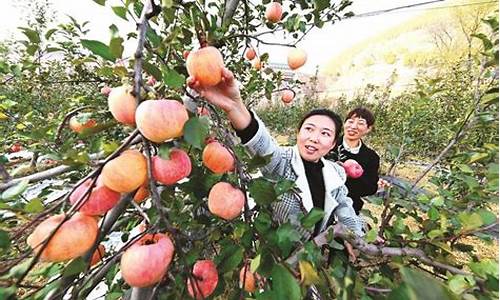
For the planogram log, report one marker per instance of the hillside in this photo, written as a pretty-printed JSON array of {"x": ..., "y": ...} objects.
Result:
[{"x": 420, "y": 45}]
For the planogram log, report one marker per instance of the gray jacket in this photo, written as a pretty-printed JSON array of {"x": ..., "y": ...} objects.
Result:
[{"x": 287, "y": 163}]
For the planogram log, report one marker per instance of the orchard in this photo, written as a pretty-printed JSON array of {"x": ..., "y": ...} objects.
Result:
[{"x": 150, "y": 195}]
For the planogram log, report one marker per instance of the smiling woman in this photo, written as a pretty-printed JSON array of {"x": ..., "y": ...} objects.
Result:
[
  {"x": 320, "y": 182},
  {"x": 358, "y": 123}
]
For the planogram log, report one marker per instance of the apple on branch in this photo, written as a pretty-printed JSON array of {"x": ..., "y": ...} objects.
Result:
[
  {"x": 205, "y": 279},
  {"x": 225, "y": 201}
]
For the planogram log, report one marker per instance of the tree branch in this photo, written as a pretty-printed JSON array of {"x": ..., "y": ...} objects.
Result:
[
  {"x": 340, "y": 231},
  {"x": 230, "y": 9}
]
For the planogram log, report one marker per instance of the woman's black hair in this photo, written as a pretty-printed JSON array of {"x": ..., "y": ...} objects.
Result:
[
  {"x": 362, "y": 112},
  {"x": 325, "y": 112}
]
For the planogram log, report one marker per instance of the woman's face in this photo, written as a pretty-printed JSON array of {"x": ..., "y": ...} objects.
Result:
[
  {"x": 355, "y": 128},
  {"x": 316, "y": 137}
]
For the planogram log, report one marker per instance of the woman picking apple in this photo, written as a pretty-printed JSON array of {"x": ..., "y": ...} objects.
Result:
[{"x": 321, "y": 182}]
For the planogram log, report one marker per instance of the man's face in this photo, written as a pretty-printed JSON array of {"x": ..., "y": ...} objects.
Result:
[
  {"x": 316, "y": 137},
  {"x": 356, "y": 128}
]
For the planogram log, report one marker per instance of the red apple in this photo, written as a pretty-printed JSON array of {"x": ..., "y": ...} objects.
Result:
[
  {"x": 142, "y": 193},
  {"x": 169, "y": 171},
  {"x": 274, "y": 11},
  {"x": 287, "y": 96},
  {"x": 161, "y": 120},
  {"x": 73, "y": 238},
  {"x": 250, "y": 54},
  {"x": 352, "y": 168},
  {"x": 122, "y": 105},
  {"x": 105, "y": 90},
  {"x": 16, "y": 147},
  {"x": 296, "y": 58},
  {"x": 257, "y": 64},
  {"x": 225, "y": 201},
  {"x": 151, "y": 81},
  {"x": 205, "y": 65},
  {"x": 147, "y": 260},
  {"x": 126, "y": 172},
  {"x": 101, "y": 198},
  {"x": 249, "y": 278},
  {"x": 217, "y": 158},
  {"x": 79, "y": 123},
  {"x": 205, "y": 279}
]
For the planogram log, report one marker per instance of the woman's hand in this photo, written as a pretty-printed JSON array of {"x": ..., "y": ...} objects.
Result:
[
  {"x": 225, "y": 95},
  {"x": 350, "y": 251},
  {"x": 382, "y": 183}
]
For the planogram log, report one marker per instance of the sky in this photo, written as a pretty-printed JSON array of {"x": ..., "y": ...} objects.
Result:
[{"x": 320, "y": 44}]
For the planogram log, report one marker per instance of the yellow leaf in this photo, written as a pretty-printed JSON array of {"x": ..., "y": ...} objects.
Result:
[
  {"x": 3, "y": 116},
  {"x": 308, "y": 275}
]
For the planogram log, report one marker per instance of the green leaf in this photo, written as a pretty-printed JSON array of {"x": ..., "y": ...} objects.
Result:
[
  {"x": 402, "y": 292},
  {"x": 172, "y": 79},
  {"x": 283, "y": 186},
  {"x": 254, "y": 264},
  {"x": 371, "y": 236},
  {"x": 15, "y": 190},
  {"x": 76, "y": 266},
  {"x": 487, "y": 217},
  {"x": 470, "y": 221},
  {"x": 477, "y": 157},
  {"x": 34, "y": 206},
  {"x": 196, "y": 131},
  {"x": 258, "y": 161},
  {"x": 425, "y": 287},
  {"x": 231, "y": 257},
  {"x": 262, "y": 191},
  {"x": 50, "y": 32},
  {"x": 308, "y": 275},
  {"x": 465, "y": 168},
  {"x": 460, "y": 283},
  {"x": 113, "y": 296},
  {"x": 116, "y": 47},
  {"x": 32, "y": 35},
  {"x": 8, "y": 292},
  {"x": 489, "y": 99},
  {"x": 167, "y": 3},
  {"x": 433, "y": 213},
  {"x": 100, "y": 2},
  {"x": 4, "y": 240},
  {"x": 321, "y": 4},
  {"x": 286, "y": 237},
  {"x": 164, "y": 151},
  {"x": 315, "y": 215},
  {"x": 435, "y": 233},
  {"x": 19, "y": 269},
  {"x": 485, "y": 267},
  {"x": 154, "y": 38},
  {"x": 120, "y": 11},
  {"x": 263, "y": 222},
  {"x": 285, "y": 286},
  {"x": 98, "y": 48},
  {"x": 152, "y": 70}
]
